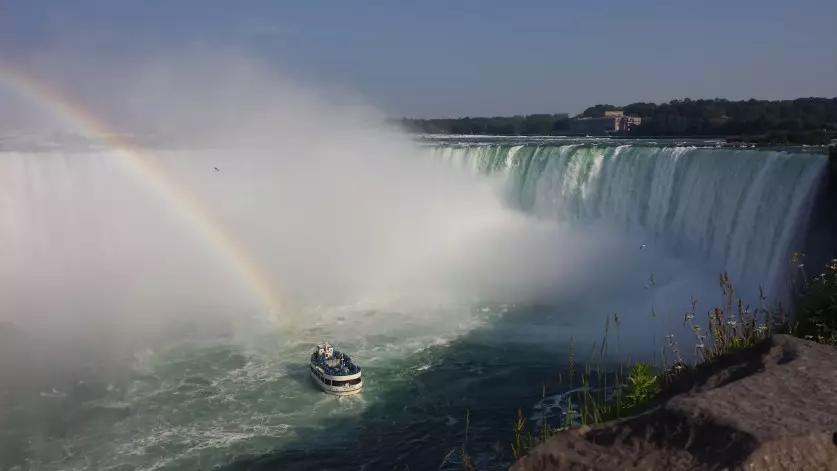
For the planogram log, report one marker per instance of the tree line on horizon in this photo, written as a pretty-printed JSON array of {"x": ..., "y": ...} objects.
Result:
[{"x": 799, "y": 121}]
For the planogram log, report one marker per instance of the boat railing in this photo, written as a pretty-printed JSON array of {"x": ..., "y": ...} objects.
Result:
[{"x": 345, "y": 368}]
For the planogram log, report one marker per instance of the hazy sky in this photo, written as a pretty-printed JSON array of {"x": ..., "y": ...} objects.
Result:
[{"x": 470, "y": 57}]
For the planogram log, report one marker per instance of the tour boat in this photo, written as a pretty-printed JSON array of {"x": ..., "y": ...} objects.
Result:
[{"x": 334, "y": 371}]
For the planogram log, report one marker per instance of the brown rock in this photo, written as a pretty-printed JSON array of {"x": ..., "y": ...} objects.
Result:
[{"x": 769, "y": 407}]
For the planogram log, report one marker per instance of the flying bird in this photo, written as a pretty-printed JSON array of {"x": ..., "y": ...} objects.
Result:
[
  {"x": 216, "y": 169},
  {"x": 640, "y": 247}
]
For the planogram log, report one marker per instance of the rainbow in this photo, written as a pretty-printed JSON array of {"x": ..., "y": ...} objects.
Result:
[{"x": 148, "y": 172}]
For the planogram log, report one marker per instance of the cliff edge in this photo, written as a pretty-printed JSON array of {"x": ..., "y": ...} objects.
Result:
[{"x": 769, "y": 407}]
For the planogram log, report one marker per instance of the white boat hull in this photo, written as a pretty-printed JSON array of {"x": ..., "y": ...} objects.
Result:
[{"x": 342, "y": 390}]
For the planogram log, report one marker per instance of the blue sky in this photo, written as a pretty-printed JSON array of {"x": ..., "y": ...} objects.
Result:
[{"x": 469, "y": 57}]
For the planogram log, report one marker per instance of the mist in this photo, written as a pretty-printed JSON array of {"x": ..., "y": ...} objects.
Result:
[
  {"x": 332, "y": 206},
  {"x": 115, "y": 304}
]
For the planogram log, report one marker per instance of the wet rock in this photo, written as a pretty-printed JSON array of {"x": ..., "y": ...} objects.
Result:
[{"x": 770, "y": 407}]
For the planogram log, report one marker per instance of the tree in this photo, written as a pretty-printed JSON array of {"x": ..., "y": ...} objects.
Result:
[{"x": 803, "y": 120}]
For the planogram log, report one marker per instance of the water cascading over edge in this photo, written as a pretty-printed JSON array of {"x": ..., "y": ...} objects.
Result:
[{"x": 742, "y": 211}]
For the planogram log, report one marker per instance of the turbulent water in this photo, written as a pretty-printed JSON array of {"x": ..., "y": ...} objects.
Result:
[
  {"x": 738, "y": 209},
  {"x": 234, "y": 393}
]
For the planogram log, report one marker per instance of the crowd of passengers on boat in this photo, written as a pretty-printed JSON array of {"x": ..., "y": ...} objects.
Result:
[{"x": 345, "y": 368}]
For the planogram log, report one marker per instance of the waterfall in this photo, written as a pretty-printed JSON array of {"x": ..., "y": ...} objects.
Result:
[{"x": 738, "y": 210}]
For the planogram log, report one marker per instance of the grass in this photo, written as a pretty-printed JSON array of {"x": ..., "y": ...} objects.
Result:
[
  {"x": 611, "y": 394},
  {"x": 599, "y": 394},
  {"x": 816, "y": 306}
]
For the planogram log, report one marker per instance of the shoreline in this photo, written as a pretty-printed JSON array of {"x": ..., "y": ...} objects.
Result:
[
  {"x": 760, "y": 372},
  {"x": 729, "y": 142}
]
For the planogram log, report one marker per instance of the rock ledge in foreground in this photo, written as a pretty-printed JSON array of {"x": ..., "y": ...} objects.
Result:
[{"x": 769, "y": 407}]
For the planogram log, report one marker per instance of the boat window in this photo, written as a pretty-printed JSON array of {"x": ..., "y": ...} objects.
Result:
[
  {"x": 317, "y": 373},
  {"x": 350, "y": 382}
]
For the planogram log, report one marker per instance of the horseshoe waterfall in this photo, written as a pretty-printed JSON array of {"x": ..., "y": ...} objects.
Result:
[{"x": 739, "y": 210}]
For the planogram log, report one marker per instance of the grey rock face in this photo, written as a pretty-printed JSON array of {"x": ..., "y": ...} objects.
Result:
[{"x": 770, "y": 407}]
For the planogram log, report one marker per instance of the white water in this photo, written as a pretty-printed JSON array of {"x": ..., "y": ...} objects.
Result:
[
  {"x": 83, "y": 238},
  {"x": 86, "y": 245},
  {"x": 401, "y": 252},
  {"x": 396, "y": 249},
  {"x": 740, "y": 211}
]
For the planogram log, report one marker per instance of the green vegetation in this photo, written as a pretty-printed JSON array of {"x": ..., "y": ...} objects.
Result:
[
  {"x": 604, "y": 394},
  {"x": 786, "y": 138},
  {"x": 816, "y": 306},
  {"x": 789, "y": 122},
  {"x": 530, "y": 125},
  {"x": 735, "y": 118}
]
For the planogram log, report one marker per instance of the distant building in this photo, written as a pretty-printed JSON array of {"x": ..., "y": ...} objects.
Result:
[{"x": 613, "y": 121}]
